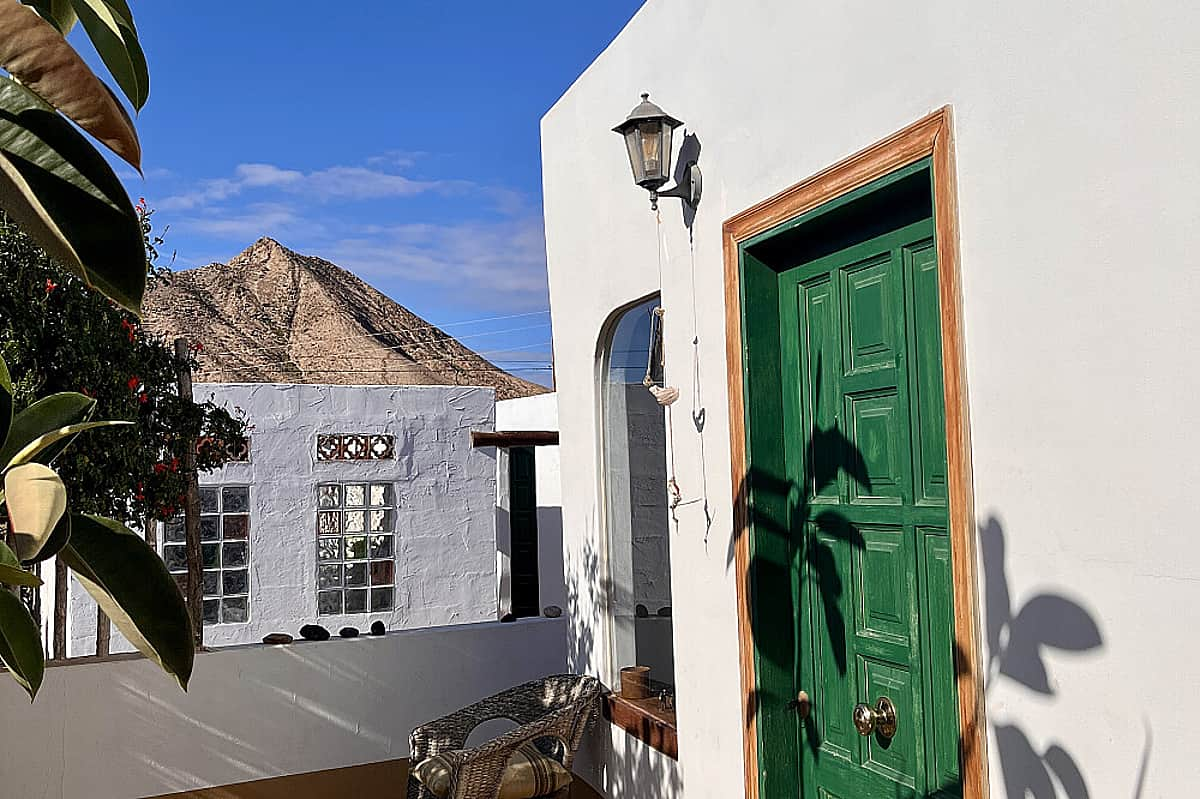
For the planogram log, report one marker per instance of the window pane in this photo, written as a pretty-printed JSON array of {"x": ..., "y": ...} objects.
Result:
[
  {"x": 381, "y": 521},
  {"x": 234, "y": 554},
  {"x": 212, "y": 609},
  {"x": 329, "y": 549},
  {"x": 208, "y": 500},
  {"x": 329, "y": 576},
  {"x": 356, "y": 547},
  {"x": 210, "y": 528},
  {"x": 382, "y": 572},
  {"x": 356, "y": 521},
  {"x": 174, "y": 532},
  {"x": 635, "y": 487},
  {"x": 235, "y": 611},
  {"x": 212, "y": 583},
  {"x": 356, "y": 495},
  {"x": 329, "y": 602},
  {"x": 329, "y": 523},
  {"x": 381, "y": 494},
  {"x": 381, "y": 599},
  {"x": 210, "y": 555},
  {"x": 381, "y": 546},
  {"x": 235, "y": 582},
  {"x": 329, "y": 496},
  {"x": 235, "y": 499},
  {"x": 356, "y": 575},
  {"x": 175, "y": 558},
  {"x": 237, "y": 527},
  {"x": 356, "y": 601}
]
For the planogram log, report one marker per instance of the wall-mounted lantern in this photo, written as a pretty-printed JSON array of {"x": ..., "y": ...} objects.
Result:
[{"x": 647, "y": 133}]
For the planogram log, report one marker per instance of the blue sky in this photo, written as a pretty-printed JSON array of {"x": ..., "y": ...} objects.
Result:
[{"x": 397, "y": 139}]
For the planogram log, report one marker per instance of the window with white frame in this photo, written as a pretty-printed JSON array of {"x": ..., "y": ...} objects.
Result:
[
  {"x": 356, "y": 560},
  {"x": 224, "y": 552},
  {"x": 635, "y": 494}
]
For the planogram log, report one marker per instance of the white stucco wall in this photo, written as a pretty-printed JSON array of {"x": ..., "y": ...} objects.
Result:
[
  {"x": 1075, "y": 130},
  {"x": 445, "y": 499},
  {"x": 122, "y": 729},
  {"x": 539, "y": 412}
]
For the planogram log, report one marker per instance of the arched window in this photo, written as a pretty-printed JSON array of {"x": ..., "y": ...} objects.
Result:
[{"x": 637, "y": 520}]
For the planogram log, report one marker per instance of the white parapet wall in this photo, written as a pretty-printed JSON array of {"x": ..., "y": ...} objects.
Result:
[
  {"x": 122, "y": 729},
  {"x": 440, "y": 498}
]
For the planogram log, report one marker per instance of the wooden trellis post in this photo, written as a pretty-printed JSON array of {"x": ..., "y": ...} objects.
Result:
[{"x": 191, "y": 509}]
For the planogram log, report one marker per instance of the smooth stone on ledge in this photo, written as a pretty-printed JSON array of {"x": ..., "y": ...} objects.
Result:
[
  {"x": 552, "y": 611},
  {"x": 314, "y": 632},
  {"x": 277, "y": 638},
  {"x": 348, "y": 632},
  {"x": 377, "y": 628}
]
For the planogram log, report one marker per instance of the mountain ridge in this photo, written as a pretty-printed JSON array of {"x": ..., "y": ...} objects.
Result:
[{"x": 274, "y": 315}]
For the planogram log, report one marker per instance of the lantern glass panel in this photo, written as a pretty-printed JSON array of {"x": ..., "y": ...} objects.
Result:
[{"x": 634, "y": 145}]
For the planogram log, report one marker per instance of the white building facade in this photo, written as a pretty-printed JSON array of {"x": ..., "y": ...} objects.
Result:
[{"x": 1070, "y": 228}]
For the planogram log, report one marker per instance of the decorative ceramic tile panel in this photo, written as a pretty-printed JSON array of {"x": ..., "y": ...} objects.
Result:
[{"x": 355, "y": 447}]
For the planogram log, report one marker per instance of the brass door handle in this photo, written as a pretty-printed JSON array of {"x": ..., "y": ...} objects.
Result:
[
  {"x": 880, "y": 719},
  {"x": 801, "y": 704}
]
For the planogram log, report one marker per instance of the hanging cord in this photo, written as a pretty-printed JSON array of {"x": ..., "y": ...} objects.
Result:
[{"x": 665, "y": 395}]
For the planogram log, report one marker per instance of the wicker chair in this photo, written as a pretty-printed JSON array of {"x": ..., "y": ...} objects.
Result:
[{"x": 553, "y": 713}]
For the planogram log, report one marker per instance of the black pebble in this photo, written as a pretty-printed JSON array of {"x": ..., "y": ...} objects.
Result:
[
  {"x": 314, "y": 632},
  {"x": 641, "y": 611},
  {"x": 348, "y": 632},
  {"x": 377, "y": 628},
  {"x": 507, "y": 617}
]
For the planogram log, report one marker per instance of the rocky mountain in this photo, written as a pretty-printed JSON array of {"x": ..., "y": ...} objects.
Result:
[{"x": 273, "y": 315}]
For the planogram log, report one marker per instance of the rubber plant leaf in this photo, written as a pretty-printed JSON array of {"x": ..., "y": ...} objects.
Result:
[
  {"x": 6, "y": 402},
  {"x": 21, "y": 644},
  {"x": 58, "y": 539},
  {"x": 109, "y": 24},
  {"x": 62, "y": 192},
  {"x": 36, "y": 500},
  {"x": 58, "y": 13},
  {"x": 47, "y": 414},
  {"x": 44, "y": 443},
  {"x": 130, "y": 583},
  {"x": 36, "y": 54},
  {"x": 11, "y": 571}
]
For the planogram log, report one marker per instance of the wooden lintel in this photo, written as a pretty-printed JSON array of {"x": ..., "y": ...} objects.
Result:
[{"x": 515, "y": 438}]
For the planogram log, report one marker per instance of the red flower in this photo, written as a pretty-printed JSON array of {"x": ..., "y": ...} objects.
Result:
[
  {"x": 87, "y": 392},
  {"x": 142, "y": 398},
  {"x": 133, "y": 382},
  {"x": 159, "y": 468},
  {"x": 50, "y": 285},
  {"x": 174, "y": 464}
]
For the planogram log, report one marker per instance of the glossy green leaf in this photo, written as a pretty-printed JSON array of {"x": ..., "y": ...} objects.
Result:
[
  {"x": 20, "y": 643},
  {"x": 62, "y": 192},
  {"x": 58, "y": 13},
  {"x": 11, "y": 571},
  {"x": 36, "y": 500},
  {"x": 43, "y": 443},
  {"x": 35, "y": 53},
  {"x": 130, "y": 583},
  {"x": 6, "y": 402},
  {"x": 44, "y": 416},
  {"x": 109, "y": 24},
  {"x": 55, "y": 542}
]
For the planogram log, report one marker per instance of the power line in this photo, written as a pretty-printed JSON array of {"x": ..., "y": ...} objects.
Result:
[{"x": 390, "y": 332}]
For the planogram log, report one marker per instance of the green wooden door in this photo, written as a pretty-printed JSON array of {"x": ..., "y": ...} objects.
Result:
[
  {"x": 865, "y": 445},
  {"x": 522, "y": 517}
]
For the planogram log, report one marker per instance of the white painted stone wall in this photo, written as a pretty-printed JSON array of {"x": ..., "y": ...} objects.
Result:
[
  {"x": 123, "y": 729},
  {"x": 532, "y": 413},
  {"x": 1077, "y": 173},
  {"x": 446, "y": 493}
]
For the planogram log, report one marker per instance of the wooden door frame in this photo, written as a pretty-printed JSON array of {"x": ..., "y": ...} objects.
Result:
[{"x": 930, "y": 137}]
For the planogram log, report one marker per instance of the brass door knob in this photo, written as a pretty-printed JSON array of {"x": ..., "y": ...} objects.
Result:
[{"x": 880, "y": 719}]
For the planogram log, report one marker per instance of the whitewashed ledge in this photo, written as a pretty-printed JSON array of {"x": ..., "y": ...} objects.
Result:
[{"x": 118, "y": 727}]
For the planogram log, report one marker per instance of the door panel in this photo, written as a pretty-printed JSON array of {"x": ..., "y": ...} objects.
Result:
[{"x": 864, "y": 437}]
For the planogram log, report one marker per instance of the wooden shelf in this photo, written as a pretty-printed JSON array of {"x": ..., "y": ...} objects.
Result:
[{"x": 646, "y": 720}]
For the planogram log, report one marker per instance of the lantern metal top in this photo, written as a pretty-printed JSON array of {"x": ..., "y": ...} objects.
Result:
[{"x": 644, "y": 112}]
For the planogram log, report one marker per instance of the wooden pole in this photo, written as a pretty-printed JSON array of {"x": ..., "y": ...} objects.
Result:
[
  {"x": 191, "y": 509},
  {"x": 60, "y": 609}
]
